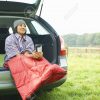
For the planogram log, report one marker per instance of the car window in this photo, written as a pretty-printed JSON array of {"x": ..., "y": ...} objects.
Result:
[
  {"x": 28, "y": 31},
  {"x": 39, "y": 28},
  {"x": 10, "y": 30}
]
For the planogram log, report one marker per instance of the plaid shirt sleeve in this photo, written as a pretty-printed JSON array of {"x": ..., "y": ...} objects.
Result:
[
  {"x": 10, "y": 47},
  {"x": 30, "y": 45}
]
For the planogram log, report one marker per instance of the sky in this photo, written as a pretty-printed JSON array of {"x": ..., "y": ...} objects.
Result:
[{"x": 72, "y": 16}]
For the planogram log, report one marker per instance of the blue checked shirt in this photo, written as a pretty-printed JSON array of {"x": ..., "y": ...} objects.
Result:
[{"x": 14, "y": 44}]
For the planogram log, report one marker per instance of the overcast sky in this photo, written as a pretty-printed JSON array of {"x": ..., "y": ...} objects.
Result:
[{"x": 73, "y": 16}]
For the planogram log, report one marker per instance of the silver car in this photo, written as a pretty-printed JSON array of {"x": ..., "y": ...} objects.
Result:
[{"x": 38, "y": 29}]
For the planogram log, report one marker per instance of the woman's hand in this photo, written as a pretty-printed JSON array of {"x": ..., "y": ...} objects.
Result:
[{"x": 37, "y": 55}]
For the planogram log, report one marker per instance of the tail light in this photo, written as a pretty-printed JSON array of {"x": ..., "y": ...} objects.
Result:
[{"x": 63, "y": 51}]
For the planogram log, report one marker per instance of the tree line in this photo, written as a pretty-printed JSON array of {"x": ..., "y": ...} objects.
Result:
[{"x": 84, "y": 40}]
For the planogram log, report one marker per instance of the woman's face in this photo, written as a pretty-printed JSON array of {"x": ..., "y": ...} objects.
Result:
[{"x": 21, "y": 29}]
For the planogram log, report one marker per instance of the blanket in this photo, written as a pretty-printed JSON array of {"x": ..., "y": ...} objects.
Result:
[{"x": 30, "y": 74}]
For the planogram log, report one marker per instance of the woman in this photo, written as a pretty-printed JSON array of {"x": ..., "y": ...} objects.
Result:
[
  {"x": 20, "y": 43},
  {"x": 29, "y": 69}
]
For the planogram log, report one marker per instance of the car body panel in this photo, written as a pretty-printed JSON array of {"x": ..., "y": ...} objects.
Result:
[
  {"x": 9, "y": 8},
  {"x": 8, "y": 87}
]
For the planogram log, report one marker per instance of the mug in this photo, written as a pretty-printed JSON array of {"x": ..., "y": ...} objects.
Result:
[{"x": 38, "y": 47}]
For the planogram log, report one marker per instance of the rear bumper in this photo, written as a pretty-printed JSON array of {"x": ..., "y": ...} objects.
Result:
[
  {"x": 54, "y": 84},
  {"x": 7, "y": 85}
]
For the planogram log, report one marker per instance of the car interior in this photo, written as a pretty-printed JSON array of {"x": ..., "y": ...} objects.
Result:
[{"x": 46, "y": 40}]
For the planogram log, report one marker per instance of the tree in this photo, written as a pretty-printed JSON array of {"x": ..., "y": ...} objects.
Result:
[{"x": 82, "y": 40}]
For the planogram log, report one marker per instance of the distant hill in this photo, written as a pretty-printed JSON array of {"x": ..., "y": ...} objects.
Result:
[{"x": 85, "y": 40}]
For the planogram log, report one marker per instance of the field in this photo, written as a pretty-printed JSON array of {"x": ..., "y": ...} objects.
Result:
[
  {"x": 83, "y": 82},
  {"x": 1, "y": 59}
]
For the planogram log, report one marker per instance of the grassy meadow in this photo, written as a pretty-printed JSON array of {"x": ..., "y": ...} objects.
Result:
[
  {"x": 83, "y": 82},
  {"x": 1, "y": 59}
]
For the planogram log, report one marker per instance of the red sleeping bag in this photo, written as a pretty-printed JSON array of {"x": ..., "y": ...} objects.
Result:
[{"x": 30, "y": 74}]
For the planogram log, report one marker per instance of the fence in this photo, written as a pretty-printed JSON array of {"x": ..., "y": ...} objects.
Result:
[{"x": 83, "y": 50}]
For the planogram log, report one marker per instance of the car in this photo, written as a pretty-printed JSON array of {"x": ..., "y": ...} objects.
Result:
[{"x": 41, "y": 32}]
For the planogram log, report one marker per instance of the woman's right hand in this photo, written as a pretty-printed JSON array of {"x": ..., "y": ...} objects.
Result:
[{"x": 37, "y": 55}]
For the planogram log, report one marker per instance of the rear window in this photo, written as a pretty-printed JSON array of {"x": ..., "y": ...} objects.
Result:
[{"x": 39, "y": 28}]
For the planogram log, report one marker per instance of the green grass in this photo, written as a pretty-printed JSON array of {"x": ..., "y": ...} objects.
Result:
[
  {"x": 1, "y": 59},
  {"x": 83, "y": 81}
]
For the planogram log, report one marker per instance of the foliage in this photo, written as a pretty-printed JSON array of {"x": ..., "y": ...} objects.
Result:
[{"x": 82, "y": 40}]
